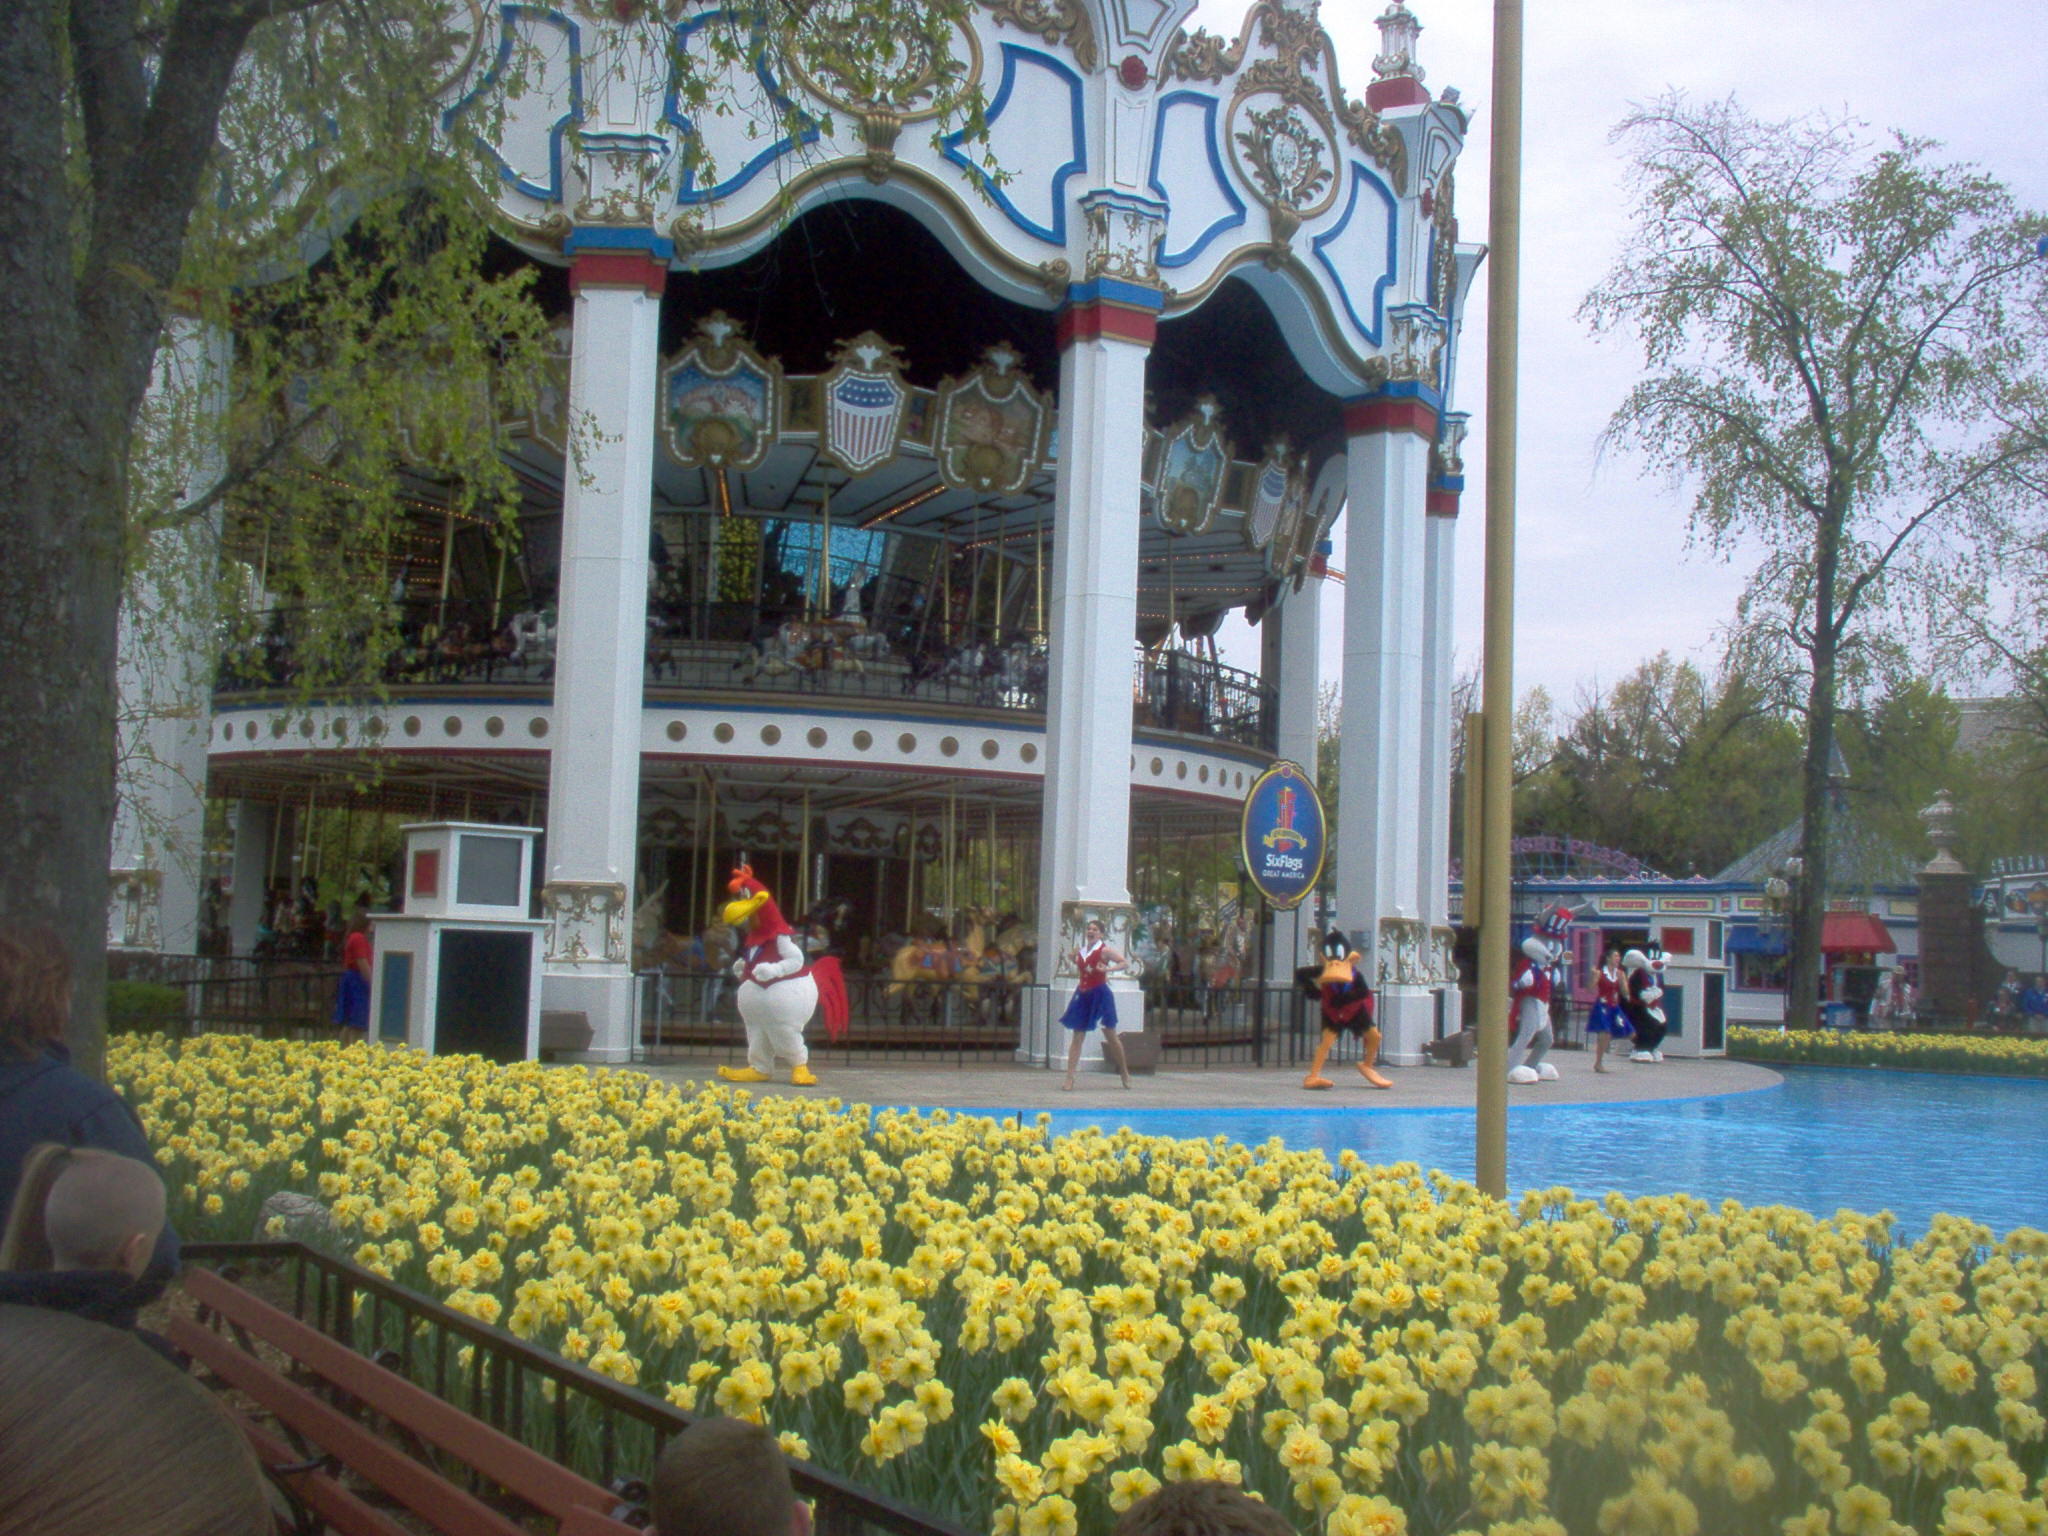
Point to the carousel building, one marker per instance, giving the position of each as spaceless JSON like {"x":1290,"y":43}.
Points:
{"x":891,"y":489}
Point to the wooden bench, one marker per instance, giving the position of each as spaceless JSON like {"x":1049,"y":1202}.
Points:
{"x":315,"y":1431}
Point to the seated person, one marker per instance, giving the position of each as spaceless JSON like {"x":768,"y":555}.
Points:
{"x":42,"y":1096}
{"x":81,"y":1234}
{"x":728,"y":1476}
{"x":1201,"y":1507}
{"x":98,"y":1434}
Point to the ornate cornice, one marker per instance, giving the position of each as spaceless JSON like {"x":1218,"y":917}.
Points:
{"x":1057,"y":21}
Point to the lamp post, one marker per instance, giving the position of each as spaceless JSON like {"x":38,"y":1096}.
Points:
{"x":1781,"y":891}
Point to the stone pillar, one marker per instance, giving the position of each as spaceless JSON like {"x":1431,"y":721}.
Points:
{"x":1951,"y":927}
{"x":1380,"y":782}
{"x":1439,"y":562}
{"x":617,"y":277}
{"x":1293,"y":660}
{"x":166,"y":656}
{"x":1106,"y":332}
{"x":255,"y":826}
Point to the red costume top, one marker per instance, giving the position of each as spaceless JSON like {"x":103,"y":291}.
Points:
{"x":1092,"y":966}
{"x":1607,"y":988}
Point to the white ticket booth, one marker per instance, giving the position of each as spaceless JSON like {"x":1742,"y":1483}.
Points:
{"x":458,"y":970}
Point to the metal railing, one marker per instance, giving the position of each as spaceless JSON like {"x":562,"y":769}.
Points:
{"x":748,"y":647}
{"x":694,"y":1014}
{"x":279,"y":999}
{"x":598,"y":1427}
{"x":1239,"y":1025}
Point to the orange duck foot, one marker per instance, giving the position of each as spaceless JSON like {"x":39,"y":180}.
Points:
{"x":1313,"y":1081}
{"x":1373,"y":1077}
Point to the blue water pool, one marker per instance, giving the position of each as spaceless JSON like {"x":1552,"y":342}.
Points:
{"x":1911,"y":1143}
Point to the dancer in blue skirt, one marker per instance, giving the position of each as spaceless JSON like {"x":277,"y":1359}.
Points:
{"x":1093,"y":1003}
{"x":1606,"y":1020}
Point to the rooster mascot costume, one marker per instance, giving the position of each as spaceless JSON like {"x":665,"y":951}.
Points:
{"x":1529,"y":1022}
{"x":1339,"y":984}
{"x":778,"y":991}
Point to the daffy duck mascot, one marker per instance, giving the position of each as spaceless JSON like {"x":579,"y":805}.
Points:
{"x":1339,"y":984}
{"x":778,"y":991}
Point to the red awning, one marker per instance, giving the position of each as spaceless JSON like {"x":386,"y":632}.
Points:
{"x":1849,"y":932}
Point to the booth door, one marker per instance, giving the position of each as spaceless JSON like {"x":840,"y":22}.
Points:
{"x":482,"y":1003}
{"x":1713,"y":1025}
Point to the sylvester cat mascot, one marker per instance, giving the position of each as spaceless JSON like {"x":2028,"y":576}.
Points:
{"x":779,"y":990}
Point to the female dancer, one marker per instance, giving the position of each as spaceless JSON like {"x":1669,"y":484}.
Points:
{"x":1093,"y":1003}
{"x":1606,"y":1018}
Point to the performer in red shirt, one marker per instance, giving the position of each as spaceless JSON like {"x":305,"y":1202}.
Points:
{"x":1606,"y":1020}
{"x":352,"y":997}
{"x":1093,"y":1003}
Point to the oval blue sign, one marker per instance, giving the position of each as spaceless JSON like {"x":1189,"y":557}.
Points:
{"x":1282,"y":840}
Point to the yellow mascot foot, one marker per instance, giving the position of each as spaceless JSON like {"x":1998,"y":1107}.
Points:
{"x":1373,"y":1077}
{"x":742,"y":1075}
{"x":1313,"y":1081}
{"x":803,"y":1077}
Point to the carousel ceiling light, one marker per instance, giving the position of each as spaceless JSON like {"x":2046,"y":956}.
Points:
{"x":903,"y":506}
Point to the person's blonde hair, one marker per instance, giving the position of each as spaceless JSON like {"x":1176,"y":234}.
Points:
{"x":25,"y":1245}
{"x":99,"y":1433}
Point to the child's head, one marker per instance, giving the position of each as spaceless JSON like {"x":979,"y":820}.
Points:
{"x":1202,"y":1507}
{"x":729,"y":1476}
{"x":82,"y":1208}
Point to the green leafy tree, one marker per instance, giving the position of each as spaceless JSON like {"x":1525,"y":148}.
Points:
{"x":1843,"y":343}
{"x":1683,"y":774}
{"x":274,"y":170}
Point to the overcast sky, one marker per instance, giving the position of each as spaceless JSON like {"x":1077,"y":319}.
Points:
{"x":1604,"y":575}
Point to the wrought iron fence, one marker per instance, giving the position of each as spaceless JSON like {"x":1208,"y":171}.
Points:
{"x":749,"y":647}
{"x":587,"y":1422}
{"x":695,"y":1014}
{"x":1193,"y":696}
{"x":221,"y":994}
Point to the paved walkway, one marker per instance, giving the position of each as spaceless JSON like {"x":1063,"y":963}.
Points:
{"x":1009,"y":1086}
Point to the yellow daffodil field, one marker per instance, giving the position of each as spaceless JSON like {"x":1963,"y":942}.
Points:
{"x":1993,"y":1055}
{"x":1026,"y":1333}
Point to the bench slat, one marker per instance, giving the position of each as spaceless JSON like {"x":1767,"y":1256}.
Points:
{"x":545,"y":1484}
{"x":418,"y":1487}
{"x":319,"y":1491}
{"x":588,"y":1522}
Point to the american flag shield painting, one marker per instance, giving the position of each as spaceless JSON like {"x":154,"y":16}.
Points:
{"x":862,"y":413}
{"x":1268,"y":496}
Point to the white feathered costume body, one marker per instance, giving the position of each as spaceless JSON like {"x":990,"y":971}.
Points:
{"x":778,"y":989}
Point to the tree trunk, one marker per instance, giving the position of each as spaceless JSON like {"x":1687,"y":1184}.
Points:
{"x":1816,"y":797}
{"x":78,"y":332}
{"x":60,"y":594}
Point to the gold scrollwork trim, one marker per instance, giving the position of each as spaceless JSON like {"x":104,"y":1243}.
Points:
{"x":1057,"y":21}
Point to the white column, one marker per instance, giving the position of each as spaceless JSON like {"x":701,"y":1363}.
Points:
{"x":1440,"y":561}
{"x":1380,"y":780}
{"x":166,"y":657}
{"x":601,"y":643}
{"x":1294,"y":663}
{"x":1084,"y":856}
{"x":255,"y":825}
